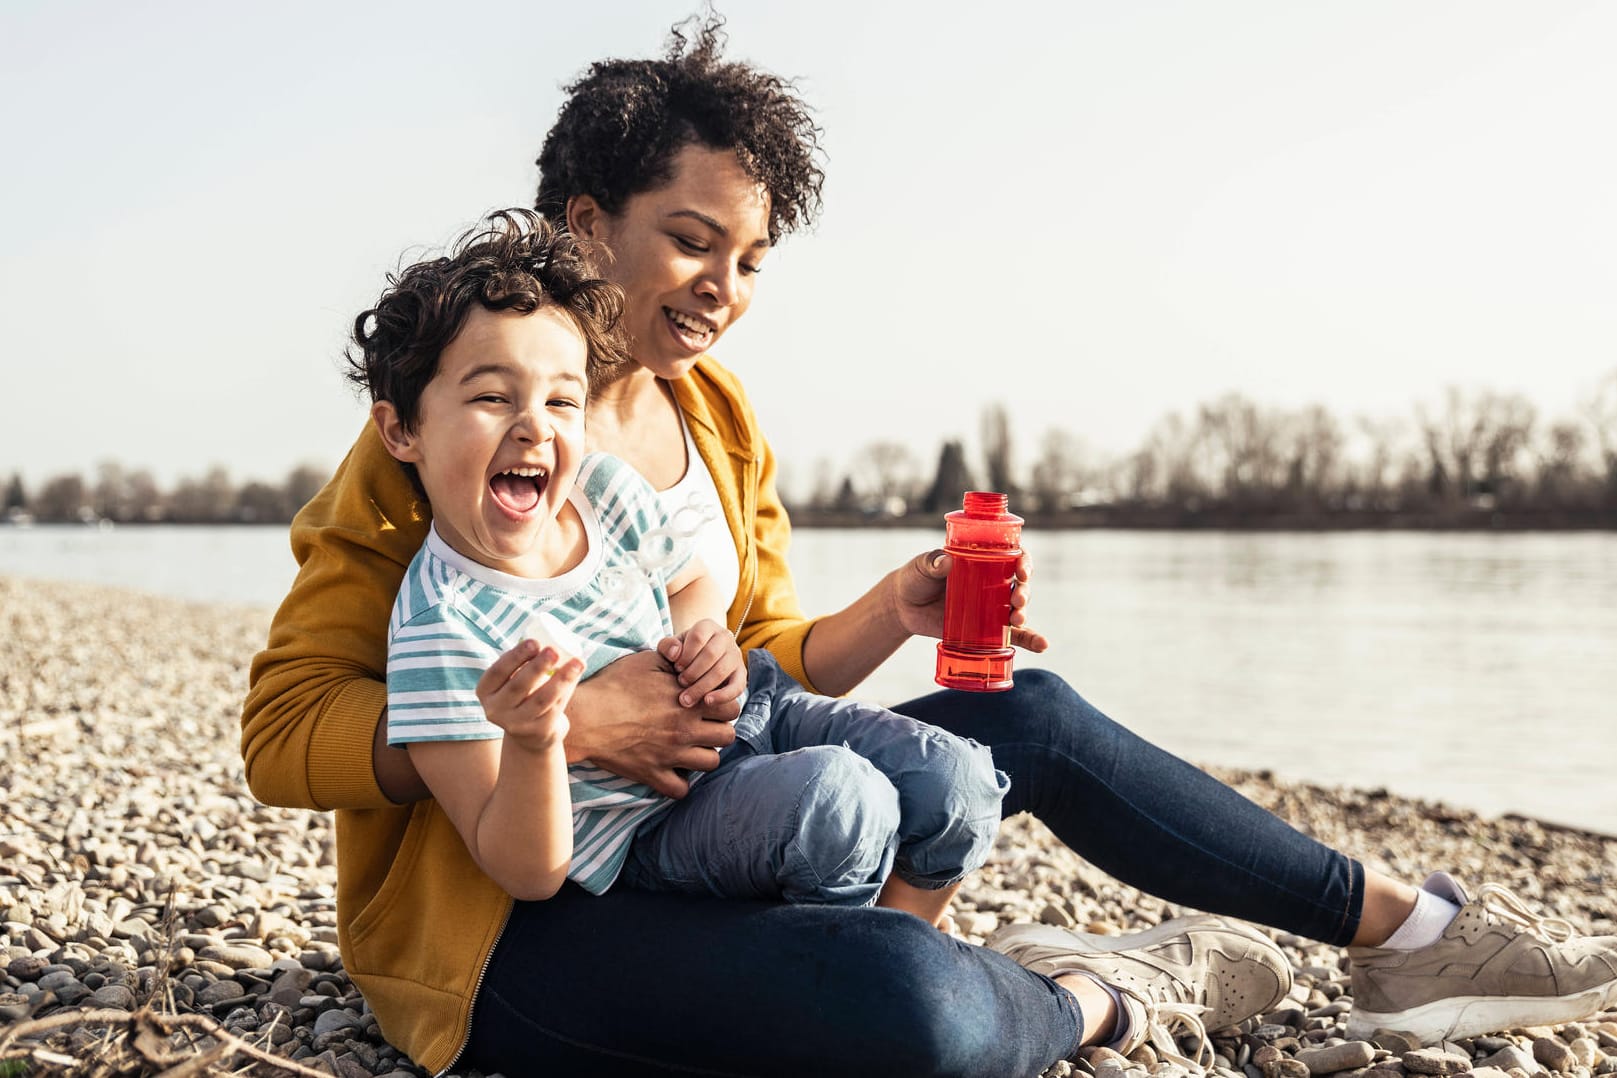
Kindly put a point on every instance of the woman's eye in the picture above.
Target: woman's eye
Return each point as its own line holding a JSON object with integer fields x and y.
{"x": 691, "y": 245}
{"x": 751, "y": 271}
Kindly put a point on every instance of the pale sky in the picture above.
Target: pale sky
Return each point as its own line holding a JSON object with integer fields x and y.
{"x": 1095, "y": 213}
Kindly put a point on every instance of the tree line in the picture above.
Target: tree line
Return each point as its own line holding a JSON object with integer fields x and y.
{"x": 1475, "y": 458}
{"x": 125, "y": 496}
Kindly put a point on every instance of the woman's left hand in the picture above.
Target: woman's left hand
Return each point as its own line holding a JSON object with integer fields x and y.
{"x": 918, "y": 599}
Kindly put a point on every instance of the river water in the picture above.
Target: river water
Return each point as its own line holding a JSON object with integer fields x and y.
{"x": 1480, "y": 670}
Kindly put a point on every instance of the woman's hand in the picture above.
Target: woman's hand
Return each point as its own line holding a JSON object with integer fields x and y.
{"x": 627, "y": 719}
{"x": 918, "y": 590}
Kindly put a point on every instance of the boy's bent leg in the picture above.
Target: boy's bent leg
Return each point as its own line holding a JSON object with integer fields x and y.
{"x": 949, "y": 790}
{"x": 1147, "y": 817}
{"x": 815, "y": 825}
{"x": 636, "y": 983}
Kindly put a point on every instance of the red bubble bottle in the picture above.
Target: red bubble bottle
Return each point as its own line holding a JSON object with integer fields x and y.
{"x": 984, "y": 540}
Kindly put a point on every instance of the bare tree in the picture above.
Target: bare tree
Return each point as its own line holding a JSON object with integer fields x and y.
{"x": 1384, "y": 460}
{"x": 123, "y": 496}
{"x": 1165, "y": 468}
{"x": 209, "y": 500}
{"x": 997, "y": 464}
{"x": 891, "y": 472}
{"x": 62, "y": 499}
{"x": 302, "y": 484}
{"x": 1562, "y": 476}
{"x": 261, "y": 503}
{"x": 1058, "y": 473}
{"x": 1600, "y": 412}
{"x": 1507, "y": 434}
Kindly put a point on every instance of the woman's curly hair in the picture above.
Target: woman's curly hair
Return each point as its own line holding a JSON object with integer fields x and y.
{"x": 624, "y": 120}
{"x": 515, "y": 260}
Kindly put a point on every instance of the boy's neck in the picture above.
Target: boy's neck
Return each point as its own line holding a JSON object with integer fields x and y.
{"x": 561, "y": 548}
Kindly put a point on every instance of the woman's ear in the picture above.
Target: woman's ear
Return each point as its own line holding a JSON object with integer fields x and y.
{"x": 398, "y": 440}
{"x": 585, "y": 218}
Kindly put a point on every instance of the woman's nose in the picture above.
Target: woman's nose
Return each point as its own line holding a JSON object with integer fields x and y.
{"x": 721, "y": 282}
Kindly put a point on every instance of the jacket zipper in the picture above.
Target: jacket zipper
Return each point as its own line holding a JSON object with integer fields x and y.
{"x": 752, "y": 549}
{"x": 476, "y": 990}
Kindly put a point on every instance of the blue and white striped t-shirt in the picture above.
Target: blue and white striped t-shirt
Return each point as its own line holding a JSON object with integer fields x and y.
{"x": 453, "y": 617}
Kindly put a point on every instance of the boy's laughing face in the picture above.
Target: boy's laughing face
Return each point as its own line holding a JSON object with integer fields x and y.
{"x": 499, "y": 437}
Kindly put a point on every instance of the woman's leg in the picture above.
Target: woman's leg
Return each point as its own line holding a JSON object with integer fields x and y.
{"x": 637, "y": 983}
{"x": 1147, "y": 817}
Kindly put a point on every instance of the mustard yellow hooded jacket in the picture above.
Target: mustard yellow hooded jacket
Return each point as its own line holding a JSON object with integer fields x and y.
{"x": 417, "y": 919}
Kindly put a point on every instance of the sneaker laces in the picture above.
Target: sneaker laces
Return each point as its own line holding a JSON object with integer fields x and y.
{"x": 1503, "y": 904}
{"x": 1163, "y": 1018}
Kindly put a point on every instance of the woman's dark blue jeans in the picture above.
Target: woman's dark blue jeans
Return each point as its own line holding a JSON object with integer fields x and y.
{"x": 632, "y": 982}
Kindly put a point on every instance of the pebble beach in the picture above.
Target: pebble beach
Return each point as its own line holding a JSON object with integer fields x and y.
{"x": 155, "y": 919}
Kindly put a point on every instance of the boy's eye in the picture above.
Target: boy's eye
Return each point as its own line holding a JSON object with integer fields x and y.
{"x": 562, "y": 402}
{"x": 489, "y": 398}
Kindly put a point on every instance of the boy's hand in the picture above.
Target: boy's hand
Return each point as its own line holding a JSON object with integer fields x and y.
{"x": 708, "y": 663}
{"x": 919, "y": 590}
{"x": 525, "y": 692}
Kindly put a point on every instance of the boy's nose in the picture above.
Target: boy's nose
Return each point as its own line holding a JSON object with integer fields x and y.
{"x": 531, "y": 428}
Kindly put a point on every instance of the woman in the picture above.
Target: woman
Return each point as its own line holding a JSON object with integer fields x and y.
{"x": 686, "y": 170}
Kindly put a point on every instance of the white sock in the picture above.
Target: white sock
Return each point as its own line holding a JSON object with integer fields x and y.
{"x": 1120, "y": 1026}
{"x": 1425, "y": 923}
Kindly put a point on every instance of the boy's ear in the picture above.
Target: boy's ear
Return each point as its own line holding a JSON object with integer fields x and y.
{"x": 399, "y": 441}
{"x": 585, "y": 217}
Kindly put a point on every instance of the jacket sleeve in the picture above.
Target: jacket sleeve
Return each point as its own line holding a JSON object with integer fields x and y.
{"x": 318, "y": 689}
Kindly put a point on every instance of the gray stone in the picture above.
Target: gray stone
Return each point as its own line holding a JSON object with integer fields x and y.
{"x": 289, "y": 986}
{"x": 237, "y": 955}
{"x": 220, "y": 992}
{"x": 1395, "y": 1041}
{"x": 1512, "y": 1057}
{"x": 26, "y": 968}
{"x": 56, "y": 979}
{"x": 1554, "y": 1053}
{"x": 333, "y": 1020}
{"x": 115, "y": 996}
{"x": 1349, "y": 1055}
{"x": 1435, "y": 1061}
{"x": 71, "y": 993}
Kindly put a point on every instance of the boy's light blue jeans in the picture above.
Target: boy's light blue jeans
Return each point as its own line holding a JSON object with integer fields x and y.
{"x": 819, "y": 799}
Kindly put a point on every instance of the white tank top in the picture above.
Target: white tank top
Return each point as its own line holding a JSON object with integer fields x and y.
{"x": 693, "y": 510}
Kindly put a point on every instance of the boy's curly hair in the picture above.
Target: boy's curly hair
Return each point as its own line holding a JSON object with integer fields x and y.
{"x": 624, "y": 120}
{"x": 514, "y": 260}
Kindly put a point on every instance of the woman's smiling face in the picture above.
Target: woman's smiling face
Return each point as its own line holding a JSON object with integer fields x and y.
{"x": 686, "y": 255}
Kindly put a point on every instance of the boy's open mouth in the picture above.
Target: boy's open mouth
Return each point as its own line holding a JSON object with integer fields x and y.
{"x": 518, "y": 490}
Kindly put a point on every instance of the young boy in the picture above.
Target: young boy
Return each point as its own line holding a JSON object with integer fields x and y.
{"x": 479, "y": 366}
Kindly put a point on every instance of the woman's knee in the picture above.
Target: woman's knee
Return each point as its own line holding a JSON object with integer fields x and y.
{"x": 846, "y": 827}
{"x": 1043, "y": 710}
